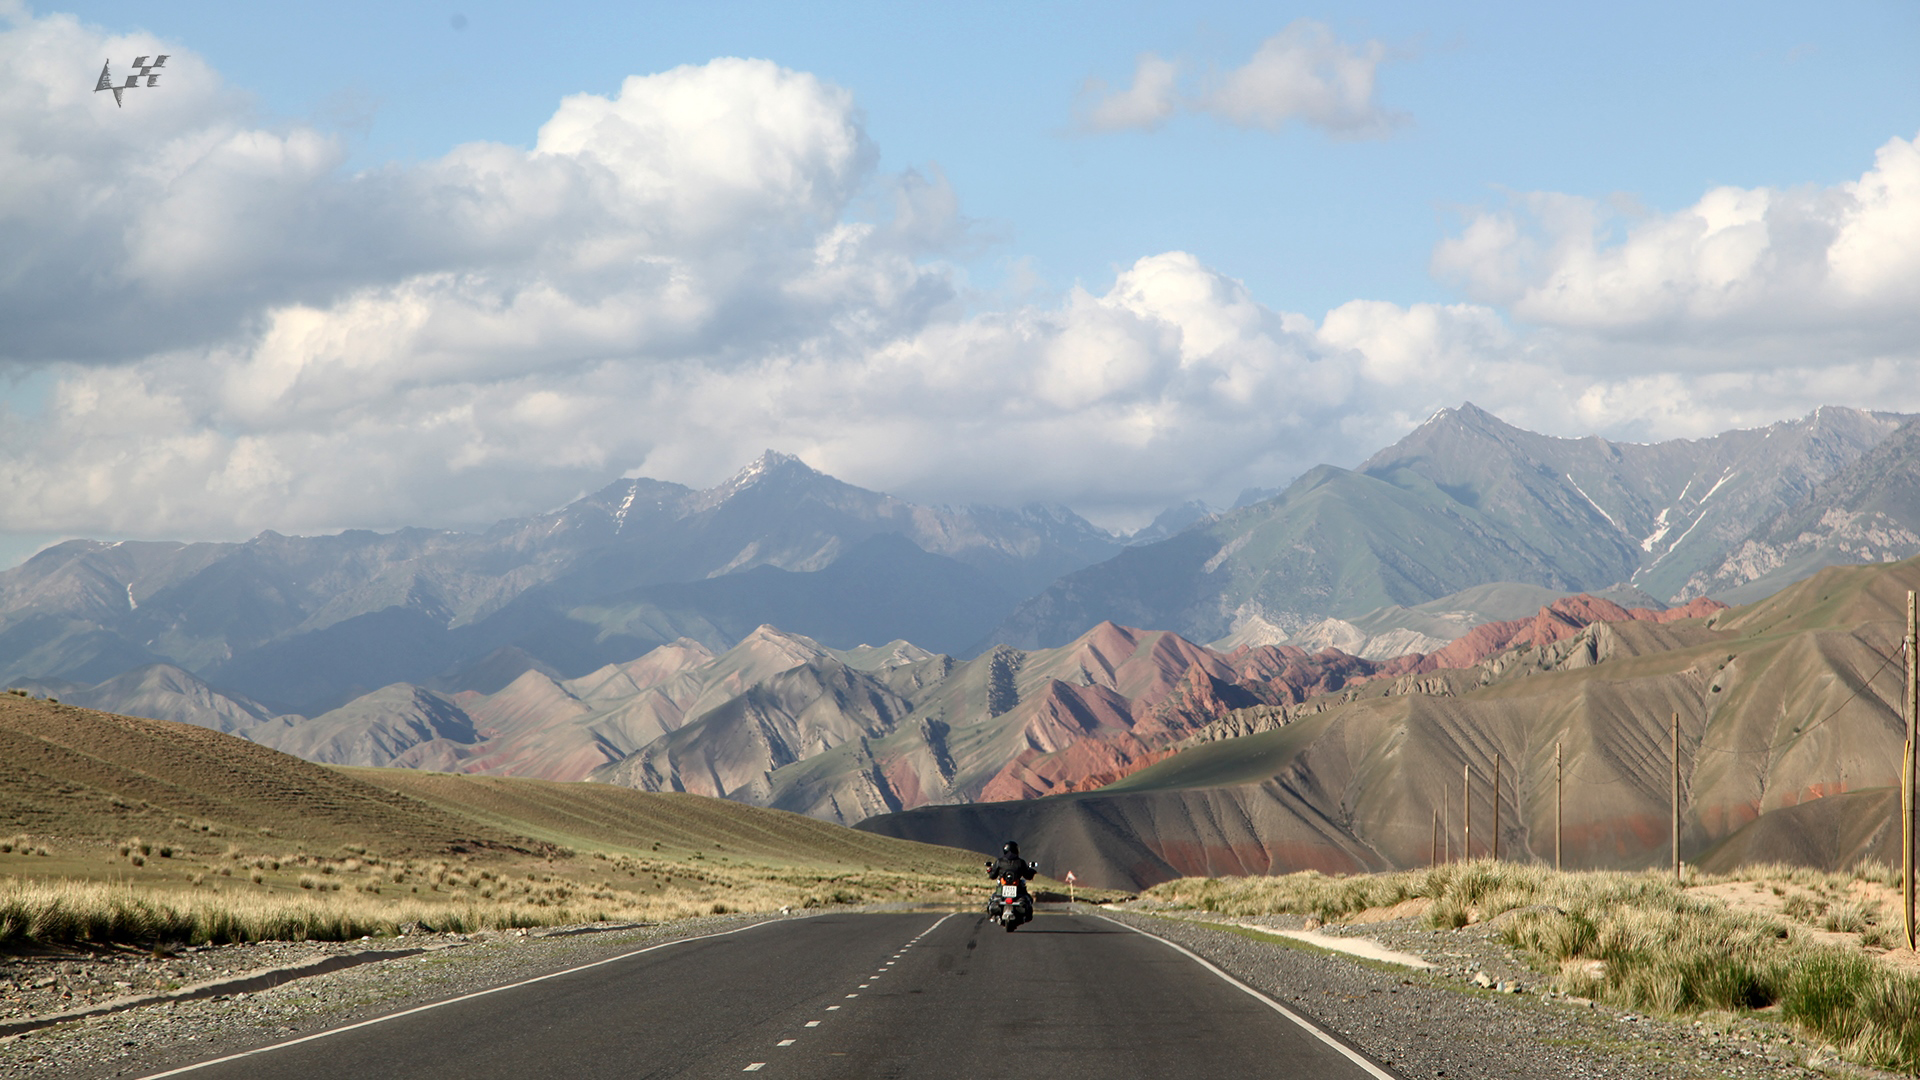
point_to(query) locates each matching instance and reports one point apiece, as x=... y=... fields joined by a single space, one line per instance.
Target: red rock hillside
x=1115 y=737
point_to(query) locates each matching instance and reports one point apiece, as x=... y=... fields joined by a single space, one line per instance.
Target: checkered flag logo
x=142 y=70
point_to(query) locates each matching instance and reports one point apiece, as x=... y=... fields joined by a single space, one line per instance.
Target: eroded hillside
x=1787 y=701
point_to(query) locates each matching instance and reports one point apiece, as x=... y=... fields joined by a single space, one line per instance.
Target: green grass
x=1636 y=941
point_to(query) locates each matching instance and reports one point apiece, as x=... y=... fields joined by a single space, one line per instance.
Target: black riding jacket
x=1012 y=866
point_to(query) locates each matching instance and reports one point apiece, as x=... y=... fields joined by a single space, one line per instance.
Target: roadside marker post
x=1911 y=707
x=1496 y=808
x=1676 y=798
x=1466 y=813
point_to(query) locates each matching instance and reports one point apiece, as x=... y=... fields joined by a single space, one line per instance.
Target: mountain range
x=658 y=637
x=780 y=720
x=1463 y=500
x=1868 y=512
x=305 y=624
x=1781 y=705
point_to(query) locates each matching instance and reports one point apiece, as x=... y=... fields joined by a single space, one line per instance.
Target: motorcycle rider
x=1011 y=865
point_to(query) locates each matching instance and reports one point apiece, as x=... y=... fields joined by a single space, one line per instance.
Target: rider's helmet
x=1010 y=849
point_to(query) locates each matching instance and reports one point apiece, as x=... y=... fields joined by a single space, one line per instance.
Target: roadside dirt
x=1482 y=1010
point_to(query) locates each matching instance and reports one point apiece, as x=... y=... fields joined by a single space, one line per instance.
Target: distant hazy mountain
x=511 y=651
x=1464 y=500
x=1869 y=512
x=165 y=692
x=308 y=623
x=1170 y=521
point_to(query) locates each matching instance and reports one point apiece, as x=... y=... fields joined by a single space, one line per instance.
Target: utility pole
x=1676 y=798
x=1466 y=813
x=1496 y=808
x=1556 y=807
x=1446 y=824
x=1434 y=859
x=1911 y=706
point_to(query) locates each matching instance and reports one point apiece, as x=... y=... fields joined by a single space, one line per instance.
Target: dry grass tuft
x=1641 y=941
x=80 y=913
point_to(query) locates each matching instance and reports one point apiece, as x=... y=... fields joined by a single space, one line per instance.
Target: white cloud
x=1303 y=74
x=1751 y=305
x=1143 y=105
x=1832 y=273
x=242 y=336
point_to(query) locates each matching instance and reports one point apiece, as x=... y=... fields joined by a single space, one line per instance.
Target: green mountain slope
x=1464 y=500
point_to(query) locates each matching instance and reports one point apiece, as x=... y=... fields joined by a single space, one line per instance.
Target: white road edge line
x=1347 y=1051
x=451 y=1001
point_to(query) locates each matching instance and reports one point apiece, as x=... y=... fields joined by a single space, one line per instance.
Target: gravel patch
x=1444 y=1022
x=158 y=1037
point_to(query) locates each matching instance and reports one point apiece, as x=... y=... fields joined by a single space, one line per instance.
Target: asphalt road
x=838 y=996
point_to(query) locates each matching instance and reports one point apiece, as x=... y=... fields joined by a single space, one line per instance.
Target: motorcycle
x=1011 y=904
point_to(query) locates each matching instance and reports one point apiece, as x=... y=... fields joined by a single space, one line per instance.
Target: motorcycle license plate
x=1009 y=891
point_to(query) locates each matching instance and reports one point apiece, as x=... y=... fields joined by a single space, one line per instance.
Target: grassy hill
x=129 y=828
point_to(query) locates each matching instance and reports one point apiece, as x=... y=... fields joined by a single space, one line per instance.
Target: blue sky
x=277 y=265
x=1655 y=102
x=1648 y=100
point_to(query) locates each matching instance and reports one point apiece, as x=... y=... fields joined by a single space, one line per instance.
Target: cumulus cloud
x=1750 y=305
x=1834 y=268
x=1303 y=74
x=179 y=218
x=236 y=334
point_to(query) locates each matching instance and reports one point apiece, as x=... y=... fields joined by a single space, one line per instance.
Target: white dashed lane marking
x=758 y=1065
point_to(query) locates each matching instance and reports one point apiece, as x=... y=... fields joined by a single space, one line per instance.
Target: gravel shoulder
x=1440 y=1022
x=154 y=1038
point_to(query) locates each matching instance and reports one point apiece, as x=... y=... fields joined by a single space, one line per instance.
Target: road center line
x=463 y=997
x=1347 y=1051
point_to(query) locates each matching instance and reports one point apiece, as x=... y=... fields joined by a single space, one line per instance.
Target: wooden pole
x=1446 y=825
x=1466 y=812
x=1676 y=798
x=1496 y=808
x=1556 y=806
x=1434 y=859
x=1911 y=706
